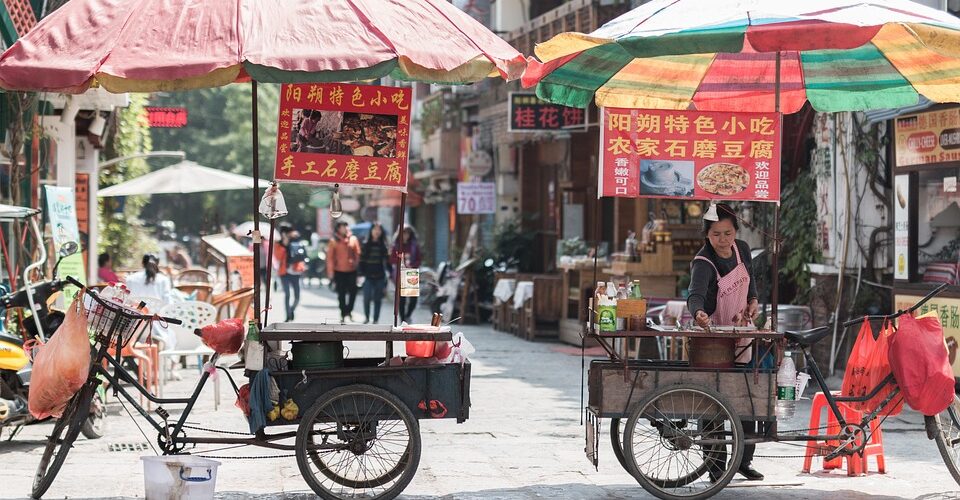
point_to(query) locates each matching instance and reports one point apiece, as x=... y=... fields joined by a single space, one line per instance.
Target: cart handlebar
x=900 y=312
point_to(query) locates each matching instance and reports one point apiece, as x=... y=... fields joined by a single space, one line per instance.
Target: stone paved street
x=523 y=440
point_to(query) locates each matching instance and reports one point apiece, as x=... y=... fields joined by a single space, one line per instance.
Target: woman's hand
x=751 y=312
x=702 y=319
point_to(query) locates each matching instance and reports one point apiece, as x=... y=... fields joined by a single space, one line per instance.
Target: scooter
x=15 y=366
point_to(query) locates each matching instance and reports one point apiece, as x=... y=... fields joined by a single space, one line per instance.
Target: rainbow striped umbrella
x=725 y=55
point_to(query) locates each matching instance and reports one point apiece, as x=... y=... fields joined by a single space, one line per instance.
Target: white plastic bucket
x=179 y=477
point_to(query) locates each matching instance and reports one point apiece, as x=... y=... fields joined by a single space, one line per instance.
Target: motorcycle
x=15 y=365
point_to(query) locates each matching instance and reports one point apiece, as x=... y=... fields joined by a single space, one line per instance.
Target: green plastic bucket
x=317 y=355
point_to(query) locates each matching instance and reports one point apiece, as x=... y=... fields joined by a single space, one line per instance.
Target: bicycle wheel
x=358 y=441
x=616 y=441
x=678 y=440
x=948 y=437
x=61 y=439
x=93 y=425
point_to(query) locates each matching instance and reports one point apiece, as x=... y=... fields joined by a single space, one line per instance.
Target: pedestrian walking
x=290 y=262
x=374 y=266
x=408 y=244
x=343 y=258
x=105 y=271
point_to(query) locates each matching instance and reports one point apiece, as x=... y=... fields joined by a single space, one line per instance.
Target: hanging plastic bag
x=921 y=364
x=272 y=205
x=459 y=351
x=856 y=383
x=224 y=337
x=879 y=369
x=61 y=366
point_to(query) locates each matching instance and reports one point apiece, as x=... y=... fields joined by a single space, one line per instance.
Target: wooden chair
x=220 y=298
x=195 y=275
x=204 y=292
x=237 y=306
x=541 y=313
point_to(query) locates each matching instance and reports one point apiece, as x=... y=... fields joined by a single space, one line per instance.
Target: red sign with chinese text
x=166 y=117
x=340 y=133
x=690 y=155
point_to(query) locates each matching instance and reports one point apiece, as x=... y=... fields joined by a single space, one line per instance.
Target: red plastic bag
x=868 y=365
x=61 y=366
x=918 y=356
x=243 y=399
x=224 y=337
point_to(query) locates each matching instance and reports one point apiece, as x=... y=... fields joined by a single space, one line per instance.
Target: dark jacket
x=374 y=260
x=703 y=279
x=411 y=253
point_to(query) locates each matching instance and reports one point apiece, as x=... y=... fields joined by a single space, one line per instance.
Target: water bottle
x=786 y=387
x=253 y=350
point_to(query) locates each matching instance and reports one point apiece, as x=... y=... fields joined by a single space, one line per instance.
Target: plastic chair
x=237 y=306
x=204 y=291
x=856 y=464
x=194 y=315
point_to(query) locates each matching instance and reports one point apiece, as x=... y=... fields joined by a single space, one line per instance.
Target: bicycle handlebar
x=900 y=312
x=74 y=282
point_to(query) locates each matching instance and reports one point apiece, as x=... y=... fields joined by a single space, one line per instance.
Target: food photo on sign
x=690 y=154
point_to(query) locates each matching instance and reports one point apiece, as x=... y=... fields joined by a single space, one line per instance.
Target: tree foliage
x=798 y=230
x=218 y=135
x=122 y=234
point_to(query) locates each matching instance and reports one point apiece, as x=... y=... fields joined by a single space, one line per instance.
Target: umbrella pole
x=775 y=279
x=256 y=204
x=399 y=244
x=266 y=300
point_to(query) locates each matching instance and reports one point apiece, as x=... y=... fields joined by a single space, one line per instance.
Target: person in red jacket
x=343 y=257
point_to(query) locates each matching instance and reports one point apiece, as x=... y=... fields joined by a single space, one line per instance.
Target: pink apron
x=732 y=291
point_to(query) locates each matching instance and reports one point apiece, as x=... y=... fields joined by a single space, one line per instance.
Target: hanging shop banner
x=338 y=133
x=930 y=137
x=476 y=198
x=689 y=155
x=62 y=212
x=529 y=113
x=949 y=312
x=901 y=227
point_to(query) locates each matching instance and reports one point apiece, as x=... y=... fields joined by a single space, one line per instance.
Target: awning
x=882 y=115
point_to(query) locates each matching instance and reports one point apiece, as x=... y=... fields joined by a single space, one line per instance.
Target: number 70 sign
x=476 y=198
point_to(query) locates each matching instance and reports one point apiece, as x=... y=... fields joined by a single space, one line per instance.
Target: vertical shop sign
x=689 y=155
x=339 y=133
x=62 y=211
x=901 y=230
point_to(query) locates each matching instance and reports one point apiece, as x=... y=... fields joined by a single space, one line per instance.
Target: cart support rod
x=775 y=264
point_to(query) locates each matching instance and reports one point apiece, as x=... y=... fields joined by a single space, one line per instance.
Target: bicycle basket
x=112 y=323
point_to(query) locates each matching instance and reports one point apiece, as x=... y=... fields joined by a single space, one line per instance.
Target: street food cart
x=355 y=411
x=745 y=65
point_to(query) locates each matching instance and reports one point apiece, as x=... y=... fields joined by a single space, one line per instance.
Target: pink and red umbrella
x=157 y=45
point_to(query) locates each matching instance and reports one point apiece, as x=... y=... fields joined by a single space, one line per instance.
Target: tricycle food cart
x=347 y=408
x=679 y=429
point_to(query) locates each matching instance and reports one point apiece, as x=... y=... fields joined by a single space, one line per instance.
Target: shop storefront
x=926 y=206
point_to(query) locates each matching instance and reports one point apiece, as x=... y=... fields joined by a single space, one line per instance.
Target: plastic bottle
x=253 y=351
x=786 y=387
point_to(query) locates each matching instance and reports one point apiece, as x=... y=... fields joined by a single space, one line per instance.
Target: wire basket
x=112 y=323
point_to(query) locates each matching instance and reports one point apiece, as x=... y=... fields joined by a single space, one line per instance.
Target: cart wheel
x=616 y=431
x=678 y=439
x=948 y=437
x=358 y=441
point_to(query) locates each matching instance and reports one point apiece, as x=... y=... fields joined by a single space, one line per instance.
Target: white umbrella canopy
x=10 y=212
x=183 y=177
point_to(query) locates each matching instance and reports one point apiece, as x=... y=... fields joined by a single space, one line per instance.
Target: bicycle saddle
x=807 y=338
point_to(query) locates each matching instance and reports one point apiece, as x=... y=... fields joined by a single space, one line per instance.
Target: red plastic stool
x=856 y=464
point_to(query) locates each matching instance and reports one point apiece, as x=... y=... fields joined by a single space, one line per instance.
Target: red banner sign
x=167 y=117
x=339 y=133
x=690 y=155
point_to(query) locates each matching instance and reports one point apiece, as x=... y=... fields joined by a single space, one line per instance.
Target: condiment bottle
x=253 y=350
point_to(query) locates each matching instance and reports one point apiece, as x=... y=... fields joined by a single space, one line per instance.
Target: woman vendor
x=724 y=293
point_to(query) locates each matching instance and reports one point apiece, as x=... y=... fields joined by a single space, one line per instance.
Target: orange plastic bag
x=61 y=366
x=868 y=365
